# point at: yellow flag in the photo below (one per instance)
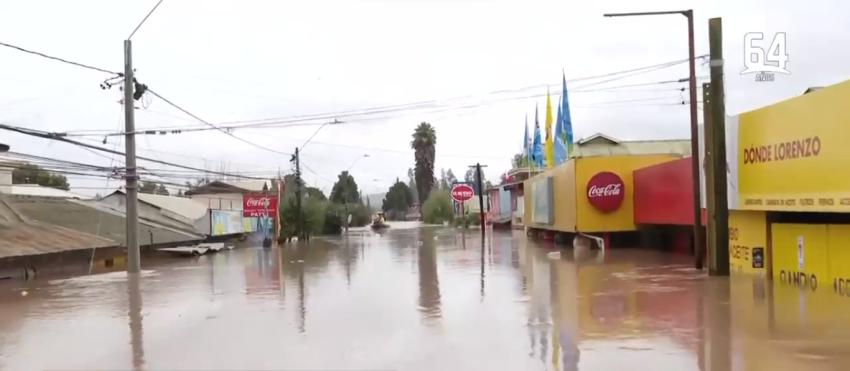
(550, 144)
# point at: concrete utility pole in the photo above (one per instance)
(699, 246)
(133, 254)
(718, 211)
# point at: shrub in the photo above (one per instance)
(438, 208)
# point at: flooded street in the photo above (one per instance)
(420, 299)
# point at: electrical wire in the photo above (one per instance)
(89, 67)
(320, 118)
(143, 20)
(227, 132)
(53, 136)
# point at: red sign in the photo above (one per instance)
(462, 192)
(255, 205)
(606, 191)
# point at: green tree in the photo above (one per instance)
(450, 178)
(519, 161)
(411, 184)
(397, 200)
(423, 143)
(161, 190)
(438, 208)
(32, 174)
(345, 190)
(147, 187)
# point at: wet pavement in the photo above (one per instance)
(420, 299)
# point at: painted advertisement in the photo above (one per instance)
(747, 241)
(225, 222)
(615, 187)
(792, 155)
(259, 205)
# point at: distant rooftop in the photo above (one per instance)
(241, 186)
(603, 145)
(35, 190)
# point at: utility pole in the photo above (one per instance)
(718, 211)
(699, 245)
(478, 180)
(299, 220)
(708, 165)
(133, 254)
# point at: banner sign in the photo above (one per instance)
(257, 205)
(792, 156)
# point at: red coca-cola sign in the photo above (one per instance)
(605, 191)
(254, 205)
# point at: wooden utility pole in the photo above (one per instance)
(718, 211)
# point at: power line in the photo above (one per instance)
(93, 68)
(54, 136)
(315, 118)
(227, 132)
(143, 20)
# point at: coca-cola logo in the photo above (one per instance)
(606, 191)
(262, 202)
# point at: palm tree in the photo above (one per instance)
(424, 140)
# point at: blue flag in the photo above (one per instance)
(566, 120)
(560, 143)
(526, 146)
(537, 145)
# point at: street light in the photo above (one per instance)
(695, 168)
(334, 122)
(356, 160)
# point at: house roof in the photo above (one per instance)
(20, 235)
(186, 207)
(603, 145)
(598, 138)
(242, 186)
(36, 190)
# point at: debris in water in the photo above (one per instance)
(24, 293)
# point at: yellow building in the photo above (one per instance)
(586, 194)
(794, 192)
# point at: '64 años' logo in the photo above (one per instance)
(764, 63)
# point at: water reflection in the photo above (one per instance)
(350, 304)
(429, 282)
(134, 314)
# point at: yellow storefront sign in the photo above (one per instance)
(792, 155)
(748, 241)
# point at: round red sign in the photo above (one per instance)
(605, 191)
(462, 192)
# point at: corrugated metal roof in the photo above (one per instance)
(36, 190)
(21, 236)
(96, 218)
(186, 207)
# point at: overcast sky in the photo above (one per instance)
(247, 60)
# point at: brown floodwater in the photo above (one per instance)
(419, 299)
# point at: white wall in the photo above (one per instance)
(221, 201)
(731, 162)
